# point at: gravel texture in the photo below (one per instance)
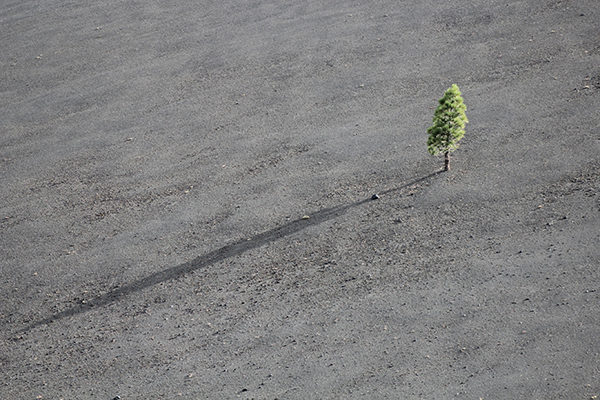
(187, 209)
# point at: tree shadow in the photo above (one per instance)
(215, 256)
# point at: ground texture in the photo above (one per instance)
(185, 200)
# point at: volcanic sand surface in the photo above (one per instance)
(186, 203)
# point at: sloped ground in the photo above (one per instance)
(185, 200)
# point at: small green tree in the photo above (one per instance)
(448, 127)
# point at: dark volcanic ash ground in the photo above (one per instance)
(186, 200)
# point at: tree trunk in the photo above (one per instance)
(446, 161)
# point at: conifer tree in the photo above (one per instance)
(448, 127)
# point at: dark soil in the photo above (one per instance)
(186, 202)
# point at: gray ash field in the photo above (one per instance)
(185, 200)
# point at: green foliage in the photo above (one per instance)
(449, 122)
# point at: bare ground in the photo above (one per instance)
(186, 200)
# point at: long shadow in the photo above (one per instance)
(206, 260)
